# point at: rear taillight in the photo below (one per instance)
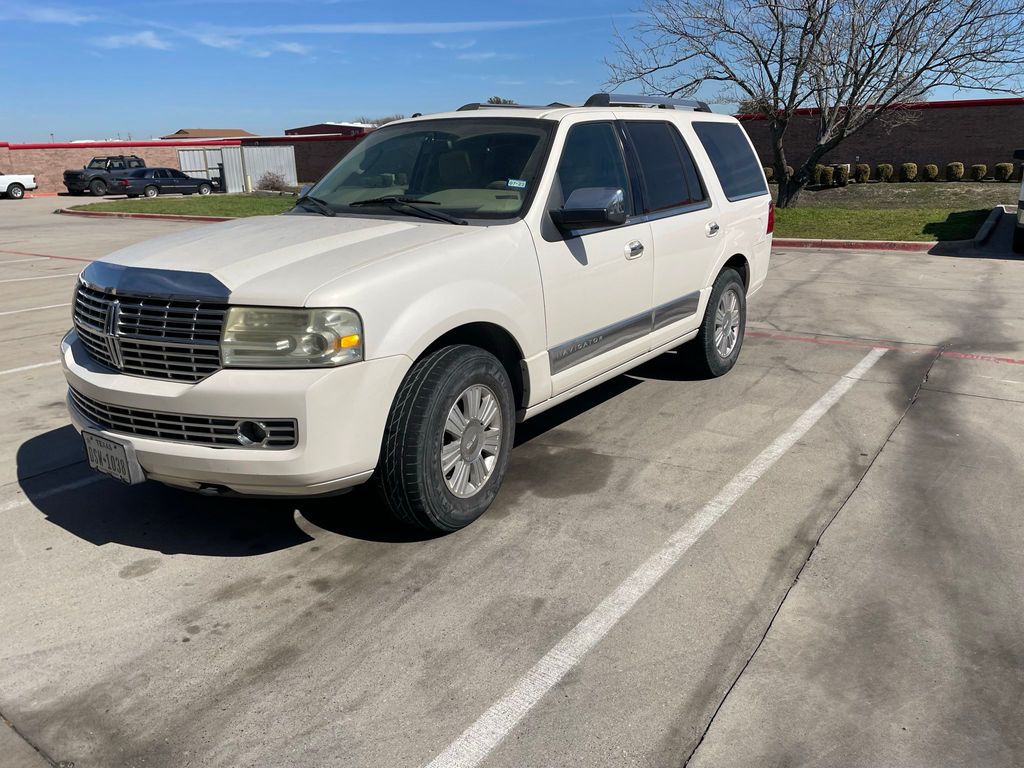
(771, 219)
(123, 182)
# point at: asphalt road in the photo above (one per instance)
(811, 561)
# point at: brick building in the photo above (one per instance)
(314, 155)
(939, 132)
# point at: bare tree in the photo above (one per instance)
(379, 120)
(855, 60)
(499, 100)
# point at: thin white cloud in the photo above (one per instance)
(42, 14)
(453, 45)
(217, 40)
(394, 28)
(296, 48)
(145, 39)
(510, 82)
(562, 82)
(478, 56)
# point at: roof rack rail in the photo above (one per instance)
(477, 105)
(661, 102)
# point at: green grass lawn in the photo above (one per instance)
(920, 211)
(195, 205)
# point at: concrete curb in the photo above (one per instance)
(867, 245)
(986, 229)
(158, 216)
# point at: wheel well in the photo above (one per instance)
(499, 343)
(740, 264)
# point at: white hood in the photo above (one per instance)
(277, 259)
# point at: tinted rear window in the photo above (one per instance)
(670, 179)
(734, 161)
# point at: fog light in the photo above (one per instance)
(251, 432)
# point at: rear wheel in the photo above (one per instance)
(15, 191)
(151, 191)
(448, 439)
(717, 347)
(98, 187)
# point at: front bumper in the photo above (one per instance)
(341, 413)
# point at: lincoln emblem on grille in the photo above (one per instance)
(111, 326)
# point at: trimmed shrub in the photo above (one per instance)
(954, 171)
(908, 172)
(769, 172)
(1002, 171)
(842, 175)
(818, 175)
(863, 173)
(883, 172)
(827, 174)
(978, 172)
(930, 173)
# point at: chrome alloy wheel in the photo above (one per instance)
(471, 441)
(727, 323)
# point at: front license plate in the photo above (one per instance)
(113, 457)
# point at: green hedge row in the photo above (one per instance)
(827, 175)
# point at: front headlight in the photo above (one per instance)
(268, 337)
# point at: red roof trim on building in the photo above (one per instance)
(187, 143)
(949, 104)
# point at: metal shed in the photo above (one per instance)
(235, 165)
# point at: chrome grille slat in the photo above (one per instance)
(173, 339)
(183, 428)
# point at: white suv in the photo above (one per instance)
(453, 275)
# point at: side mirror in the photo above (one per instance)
(591, 207)
(305, 190)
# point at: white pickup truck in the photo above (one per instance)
(14, 185)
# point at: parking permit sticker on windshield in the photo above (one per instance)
(517, 183)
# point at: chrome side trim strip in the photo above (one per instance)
(584, 348)
(676, 310)
(587, 347)
(143, 281)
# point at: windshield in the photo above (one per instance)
(471, 167)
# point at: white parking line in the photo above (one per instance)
(477, 741)
(15, 503)
(22, 261)
(32, 309)
(29, 367)
(44, 277)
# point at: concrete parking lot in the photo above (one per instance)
(812, 561)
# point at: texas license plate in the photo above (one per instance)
(113, 457)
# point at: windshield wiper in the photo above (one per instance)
(318, 205)
(409, 205)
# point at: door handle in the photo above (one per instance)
(711, 228)
(634, 250)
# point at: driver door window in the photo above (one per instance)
(592, 157)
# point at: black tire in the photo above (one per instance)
(15, 191)
(702, 353)
(151, 191)
(409, 473)
(98, 187)
(204, 189)
(131, 194)
(1018, 239)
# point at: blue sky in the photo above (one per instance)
(80, 70)
(149, 67)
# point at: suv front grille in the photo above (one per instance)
(174, 339)
(180, 428)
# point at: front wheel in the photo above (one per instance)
(717, 347)
(151, 191)
(16, 192)
(98, 187)
(448, 439)
(205, 189)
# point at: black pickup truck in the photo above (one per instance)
(97, 175)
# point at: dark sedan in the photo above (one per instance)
(159, 181)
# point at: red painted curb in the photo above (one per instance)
(867, 245)
(158, 216)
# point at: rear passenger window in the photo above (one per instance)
(734, 161)
(669, 176)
